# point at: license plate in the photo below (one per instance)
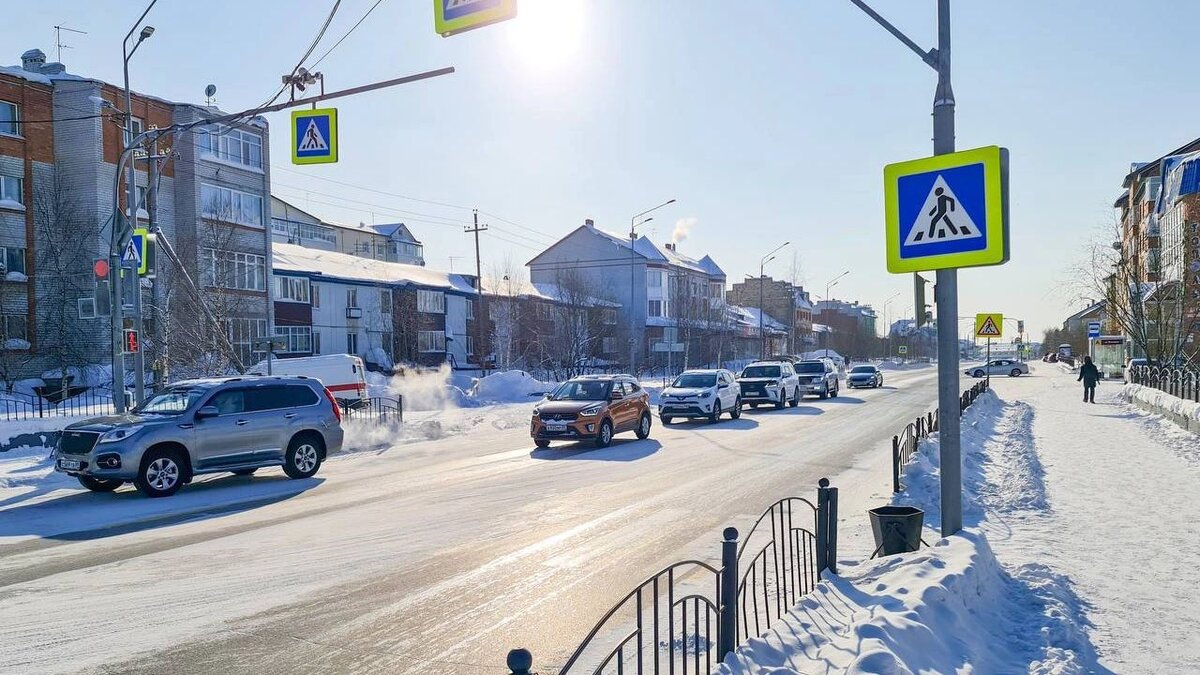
(68, 464)
(556, 427)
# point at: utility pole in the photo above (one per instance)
(479, 346)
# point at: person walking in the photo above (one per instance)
(1089, 374)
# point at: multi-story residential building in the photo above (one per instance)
(779, 298)
(852, 327)
(327, 302)
(392, 242)
(673, 306)
(292, 225)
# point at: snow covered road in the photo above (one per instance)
(434, 556)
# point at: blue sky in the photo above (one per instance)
(768, 121)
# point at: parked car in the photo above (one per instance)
(1010, 367)
(769, 382)
(341, 374)
(864, 376)
(194, 427)
(591, 407)
(818, 377)
(701, 393)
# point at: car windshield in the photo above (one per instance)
(695, 380)
(170, 401)
(863, 369)
(761, 371)
(810, 367)
(582, 390)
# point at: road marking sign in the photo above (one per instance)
(314, 136)
(451, 17)
(1093, 329)
(989, 325)
(132, 255)
(947, 211)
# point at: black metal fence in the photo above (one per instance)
(20, 406)
(905, 443)
(687, 617)
(1179, 382)
(377, 409)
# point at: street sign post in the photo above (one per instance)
(947, 211)
(903, 350)
(131, 255)
(315, 136)
(1093, 329)
(451, 17)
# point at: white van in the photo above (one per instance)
(342, 374)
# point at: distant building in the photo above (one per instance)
(852, 327)
(779, 298)
(392, 242)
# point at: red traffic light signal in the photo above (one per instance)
(132, 345)
(100, 268)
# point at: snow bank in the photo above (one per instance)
(1164, 402)
(509, 386)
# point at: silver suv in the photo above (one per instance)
(236, 424)
(818, 376)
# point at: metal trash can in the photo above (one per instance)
(897, 529)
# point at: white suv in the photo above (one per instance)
(769, 382)
(701, 393)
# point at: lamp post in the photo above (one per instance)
(832, 282)
(119, 233)
(633, 223)
(762, 263)
(887, 322)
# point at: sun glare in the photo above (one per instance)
(548, 34)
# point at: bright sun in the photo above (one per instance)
(549, 33)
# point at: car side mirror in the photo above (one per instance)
(722, 386)
(207, 411)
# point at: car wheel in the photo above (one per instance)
(977, 373)
(541, 442)
(782, 400)
(715, 415)
(795, 398)
(666, 420)
(303, 457)
(605, 435)
(880, 382)
(161, 474)
(100, 484)
(1015, 372)
(643, 428)
(824, 394)
(244, 472)
(836, 389)
(736, 411)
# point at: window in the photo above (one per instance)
(316, 343)
(12, 259)
(15, 328)
(315, 289)
(230, 269)
(8, 119)
(618, 390)
(87, 308)
(299, 338)
(278, 397)
(471, 345)
(11, 189)
(654, 278)
(386, 341)
(352, 297)
(431, 302)
(655, 308)
(609, 316)
(608, 345)
(243, 333)
(470, 309)
(351, 343)
(385, 301)
(292, 289)
(229, 205)
(138, 126)
(431, 341)
(230, 145)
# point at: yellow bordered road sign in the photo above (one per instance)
(455, 16)
(989, 325)
(947, 211)
(314, 136)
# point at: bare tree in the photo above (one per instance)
(579, 325)
(504, 312)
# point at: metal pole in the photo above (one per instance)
(479, 289)
(632, 311)
(727, 628)
(946, 298)
(987, 366)
(762, 339)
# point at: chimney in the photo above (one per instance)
(589, 223)
(670, 246)
(33, 60)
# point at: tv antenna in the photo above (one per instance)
(58, 43)
(209, 93)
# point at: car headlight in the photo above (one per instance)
(121, 434)
(590, 411)
(706, 394)
(773, 383)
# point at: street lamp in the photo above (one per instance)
(828, 301)
(633, 223)
(762, 338)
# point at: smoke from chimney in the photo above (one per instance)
(683, 227)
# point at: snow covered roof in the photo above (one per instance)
(750, 316)
(821, 328)
(651, 252)
(334, 265)
(541, 291)
(1086, 311)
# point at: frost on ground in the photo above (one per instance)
(953, 607)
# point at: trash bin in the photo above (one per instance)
(897, 529)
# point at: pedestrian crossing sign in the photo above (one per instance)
(947, 211)
(989, 325)
(314, 136)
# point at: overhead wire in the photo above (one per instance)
(347, 34)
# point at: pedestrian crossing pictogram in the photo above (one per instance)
(314, 136)
(941, 218)
(313, 140)
(988, 328)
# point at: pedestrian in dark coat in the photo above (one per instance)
(1089, 374)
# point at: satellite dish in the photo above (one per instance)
(210, 90)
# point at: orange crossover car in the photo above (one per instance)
(591, 407)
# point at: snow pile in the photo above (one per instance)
(509, 386)
(16, 276)
(1162, 401)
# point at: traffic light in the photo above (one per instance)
(132, 344)
(1020, 327)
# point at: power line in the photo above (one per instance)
(347, 34)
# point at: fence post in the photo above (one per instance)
(833, 529)
(895, 463)
(929, 422)
(519, 662)
(400, 406)
(727, 621)
(822, 525)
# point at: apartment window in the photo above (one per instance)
(138, 126)
(243, 333)
(230, 269)
(291, 289)
(655, 308)
(315, 290)
(471, 345)
(229, 205)
(608, 345)
(8, 119)
(654, 278)
(299, 338)
(231, 145)
(15, 328)
(352, 297)
(386, 341)
(431, 302)
(316, 342)
(10, 189)
(609, 316)
(385, 301)
(1154, 260)
(470, 309)
(12, 259)
(431, 341)
(351, 343)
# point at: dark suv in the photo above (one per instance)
(193, 427)
(591, 407)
